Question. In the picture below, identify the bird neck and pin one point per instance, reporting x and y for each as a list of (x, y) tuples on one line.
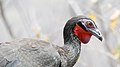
[(72, 50), (71, 47)]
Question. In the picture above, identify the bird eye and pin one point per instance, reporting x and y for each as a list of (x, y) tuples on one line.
[(89, 24)]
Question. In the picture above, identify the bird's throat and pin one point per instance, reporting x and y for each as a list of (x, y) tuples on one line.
[(83, 35)]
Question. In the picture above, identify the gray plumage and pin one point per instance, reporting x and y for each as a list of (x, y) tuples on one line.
[(28, 53), (37, 53)]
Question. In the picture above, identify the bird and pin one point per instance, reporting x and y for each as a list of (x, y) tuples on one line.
[(29, 52)]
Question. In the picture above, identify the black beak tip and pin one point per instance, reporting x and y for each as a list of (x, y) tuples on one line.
[(100, 38)]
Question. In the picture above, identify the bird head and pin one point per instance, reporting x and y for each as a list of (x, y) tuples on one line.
[(84, 28)]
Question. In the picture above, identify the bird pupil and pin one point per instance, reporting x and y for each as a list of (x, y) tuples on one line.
[(90, 24)]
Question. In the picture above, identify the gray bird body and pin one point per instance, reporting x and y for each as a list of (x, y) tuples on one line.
[(28, 53), (37, 53)]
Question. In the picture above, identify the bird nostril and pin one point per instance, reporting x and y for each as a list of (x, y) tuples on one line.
[(98, 33)]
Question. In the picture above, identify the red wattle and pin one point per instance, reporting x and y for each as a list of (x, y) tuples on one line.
[(83, 35)]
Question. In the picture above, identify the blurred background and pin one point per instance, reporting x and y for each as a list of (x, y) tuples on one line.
[(45, 19)]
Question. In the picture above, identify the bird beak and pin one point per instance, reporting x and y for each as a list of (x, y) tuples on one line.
[(96, 33)]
